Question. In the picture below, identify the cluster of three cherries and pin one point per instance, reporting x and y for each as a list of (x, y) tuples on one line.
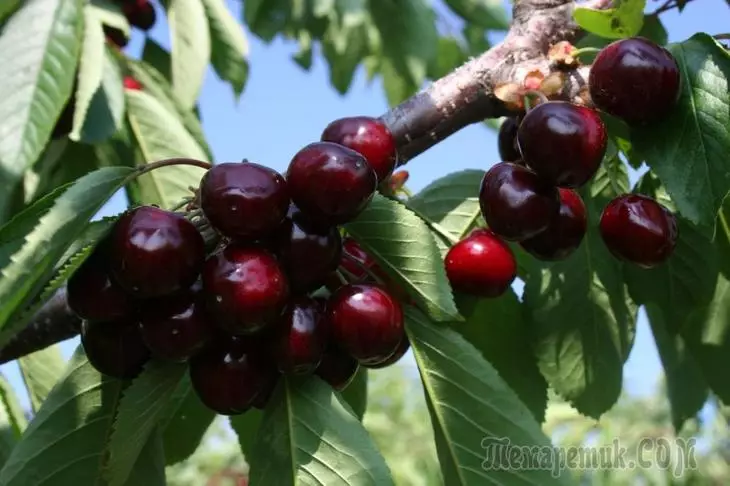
[(250, 310), (556, 148)]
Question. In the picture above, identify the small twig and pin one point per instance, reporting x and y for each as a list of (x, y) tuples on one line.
[(368, 271)]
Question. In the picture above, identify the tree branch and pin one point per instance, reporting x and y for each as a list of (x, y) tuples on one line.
[(459, 99)]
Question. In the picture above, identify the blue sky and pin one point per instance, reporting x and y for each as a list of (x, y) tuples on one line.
[(284, 108)]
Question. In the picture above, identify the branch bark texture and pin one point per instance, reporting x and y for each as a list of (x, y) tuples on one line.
[(451, 103)]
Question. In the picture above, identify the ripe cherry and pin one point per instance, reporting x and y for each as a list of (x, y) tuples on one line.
[(564, 234), (245, 288), (331, 184), (357, 261), (515, 202), (244, 200), (366, 321), (140, 13), (481, 264), (635, 80), (176, 328), (91, 292), (308, 253), (115, 348), (507, 140), (300, 341), (564, 143), (337, 368), (226, 378), (403, 348), (638, 229), (367, 136), (132, 84), (155, 252)]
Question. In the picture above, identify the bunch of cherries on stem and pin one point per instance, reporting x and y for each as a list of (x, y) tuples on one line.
[(139, 13), (253, 309), (556, 148)]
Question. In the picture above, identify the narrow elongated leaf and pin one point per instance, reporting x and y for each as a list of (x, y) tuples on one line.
[(190, 41), (34, 241), (138, 415), (63, 162), (403, 245), (229, 47), (66, 442), (477, 418), (110, 13), (10, 403), (161, 135), (149, 470), (7, 8), (158, 58), (246, 427), (91, 69), (8, 439), (41, 371), (688, 148), (625, 20), (39, 50), (310, 436), (488, 14)]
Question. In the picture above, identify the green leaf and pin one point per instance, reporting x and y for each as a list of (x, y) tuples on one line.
[(229, 47), (100, 96), (10, 403), (625, 20), (450, 56), (489, 14), (34, 241), (149, 470), (158, 58), (266, 18), (66, 441), (41, 371), (688, 148), (190, 41), (309, 435), (247, 427), (403, 245), (356, 393), (397, 86), (475, 415), (62, 163), (138, 414), (161, 135), (41, 44), (344, 48), (583, 322), (499, 330), (8, 439), (110, 13), (184, 423), (7, 8)]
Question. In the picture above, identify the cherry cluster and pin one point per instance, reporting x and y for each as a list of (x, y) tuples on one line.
[(139, 13), (556, 148), (255, 307)]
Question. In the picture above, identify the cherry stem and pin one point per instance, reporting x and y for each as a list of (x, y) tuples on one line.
[(535, 94), (585, 50), (176, 161)]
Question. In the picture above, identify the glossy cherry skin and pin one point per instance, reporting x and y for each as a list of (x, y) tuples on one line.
[(356, 260), (367, 136), (155, 252), (245, 288), (403, 348), (565, 232), (115, 348), (331, 184), (301, 338), (244, 200), (515, 202), (635, 80), (132, 84), (226, 377), (176, 328), (337, 368), (562, 142), (140, 13), (481, 264), (366, 321), (507, 140), (92, 293), (308, 252), (639, 230)]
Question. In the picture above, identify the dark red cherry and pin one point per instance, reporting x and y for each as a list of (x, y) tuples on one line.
[(140, 13), (244, 200), (308, 252), (635, 80), (481, 264), (403, 348), (357, 261), (115, 36), (562, 142), (331, 184), (366, 321), (155, 252), (245, 288), (367, 136), (226, 377), (115, 348), (301, 339), (92, 294), (337, 368), (564, 234), (507, 140), (176, 328), (132, 84), (639, 230), (515, 202)]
